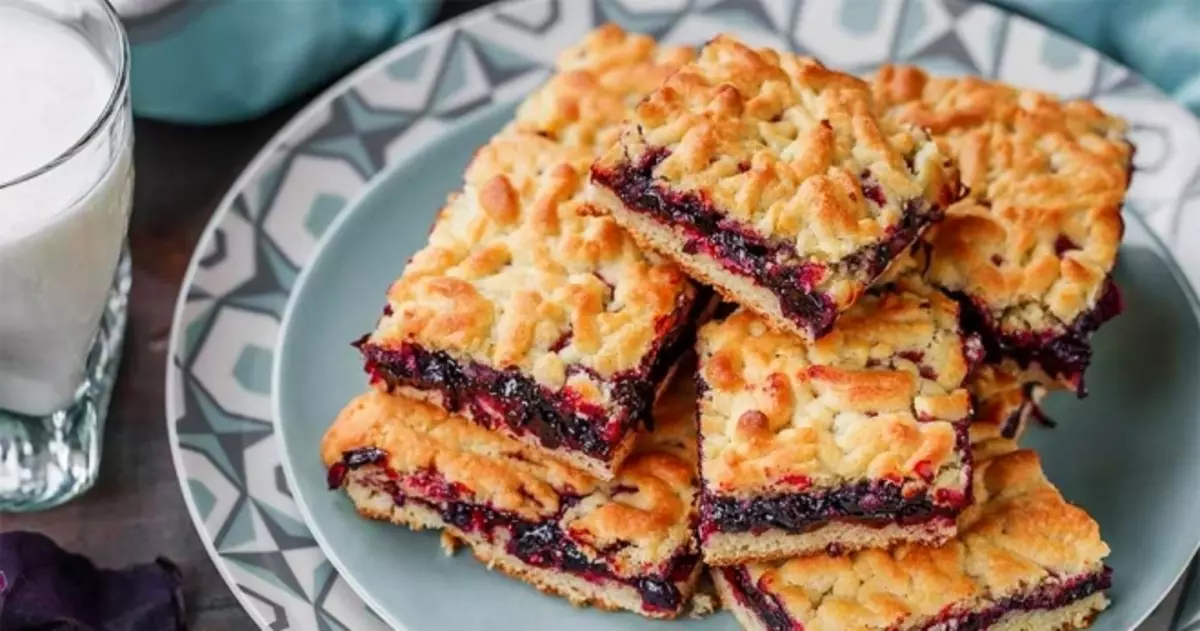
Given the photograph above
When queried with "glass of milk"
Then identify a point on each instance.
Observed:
(66, 179)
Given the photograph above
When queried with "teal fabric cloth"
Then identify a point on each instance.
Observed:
(220, 61)
(1160, 39)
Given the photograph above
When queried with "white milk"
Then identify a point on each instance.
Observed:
(61, 233)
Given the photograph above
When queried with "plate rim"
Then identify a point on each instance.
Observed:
(289, 131)
(253, 169)
(1128, 215)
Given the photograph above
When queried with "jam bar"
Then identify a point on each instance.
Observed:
(623, 544)
(856, 440)
(527, 312)
(768, 176)
(1023, 558)
(1030, 251)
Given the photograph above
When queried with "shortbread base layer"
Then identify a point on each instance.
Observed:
(838, 537)
(597, 592)
(1074, 615)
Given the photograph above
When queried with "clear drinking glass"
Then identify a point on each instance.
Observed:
(64, 264)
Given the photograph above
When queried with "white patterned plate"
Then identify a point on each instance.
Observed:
(267, 229)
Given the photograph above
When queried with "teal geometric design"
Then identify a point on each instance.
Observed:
(221, 423)
(210, 446)
(281, 269)
(253, 369)
(1060, 53)
(646, 22)
(739, 16)
(268, 184)
(321, 576)
(408, 67)
(202, 498)
(454, 75)
(355, 133)
(273, 303)
(349, 148)
(271, 568)
(324, 210)
(366, 119)
(502, 60)
(912, 21)
(289, 524)
(331, 623)
(196, 329)
(860, 17)
(240, 530)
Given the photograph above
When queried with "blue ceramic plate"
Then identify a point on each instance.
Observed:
(1126, 453)
(326, 216)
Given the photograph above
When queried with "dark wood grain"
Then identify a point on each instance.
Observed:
(136, 512)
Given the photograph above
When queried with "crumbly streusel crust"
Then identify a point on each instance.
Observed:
(643, 517)
(785, 149)
(521, 275)
(1005, 398)
(1019, 535)
(1034, 242)
(517, 260)
(879, 397)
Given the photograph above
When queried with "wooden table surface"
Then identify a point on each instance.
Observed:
(136, 512)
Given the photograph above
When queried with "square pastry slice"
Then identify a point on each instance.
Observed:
(767, 176)
(527, 312)
(1023, 558)
(623, 544)
(1030, 251)
(856, 440)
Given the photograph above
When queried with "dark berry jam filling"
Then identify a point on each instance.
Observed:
(1064, 353)
(875, 502)
(509, 397)
(869, 502)
(766, 606)
(1045, 598)
(353, 459)
(542, 544)
(770, 263)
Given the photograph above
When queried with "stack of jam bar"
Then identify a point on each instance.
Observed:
(907, 264)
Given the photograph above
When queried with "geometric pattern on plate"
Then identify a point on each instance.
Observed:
(387, 111)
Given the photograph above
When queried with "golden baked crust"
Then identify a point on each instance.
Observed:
(783, 147)
(645, 513)
(597, 83)
(1019, 535)
(1036, 238)
(519, 272)
(1005, 398)
(880, 397)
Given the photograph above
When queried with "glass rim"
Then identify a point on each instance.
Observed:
(115, 100)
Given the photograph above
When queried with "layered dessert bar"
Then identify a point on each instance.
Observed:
(767, 176)
(1005, 398)
(1023, 558)
(623, 544)
(527, 312)
(856, 440)
(1030, 251)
